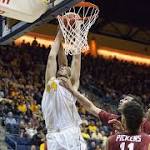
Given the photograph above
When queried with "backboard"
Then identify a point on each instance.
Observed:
(11, 29)
(28, 10)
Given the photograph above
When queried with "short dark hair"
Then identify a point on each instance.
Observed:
(136, 98)
(133, 113)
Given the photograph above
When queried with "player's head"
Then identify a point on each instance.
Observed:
(132, 116)
(64, 71)
(128, 98)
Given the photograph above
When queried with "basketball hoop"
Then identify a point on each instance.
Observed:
(75, 24)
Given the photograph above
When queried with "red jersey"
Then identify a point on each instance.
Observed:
(129, 142)
(106, 117)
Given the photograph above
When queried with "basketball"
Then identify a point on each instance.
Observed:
(70, 18)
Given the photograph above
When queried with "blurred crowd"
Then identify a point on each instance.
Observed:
(111, 79)
(22, 72)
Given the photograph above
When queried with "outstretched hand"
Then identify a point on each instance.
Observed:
(67, 84)
(117, 125)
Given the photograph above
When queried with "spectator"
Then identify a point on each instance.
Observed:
(98, 147)
(34, 107)
(30, 130)
(38, 139)
(92, 126)
(34, 43)
(84, 121)
(35, 120)
(43, 146)
(92, 145)
(22, 107)
(85, 134)
(23, 133)
(10, 120)
(1, 94)
(97, 135)
(11, 124)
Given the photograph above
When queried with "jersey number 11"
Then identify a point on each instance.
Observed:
(130, 146)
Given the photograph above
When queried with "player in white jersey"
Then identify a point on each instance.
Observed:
(58, 104)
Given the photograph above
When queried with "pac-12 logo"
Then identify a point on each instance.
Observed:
(4, 2)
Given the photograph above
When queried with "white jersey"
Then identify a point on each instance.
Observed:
(61, 118)
(58, 107)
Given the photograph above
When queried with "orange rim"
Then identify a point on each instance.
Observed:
(86, 4)
(82, 4)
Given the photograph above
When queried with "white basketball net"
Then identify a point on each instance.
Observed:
(75, 25)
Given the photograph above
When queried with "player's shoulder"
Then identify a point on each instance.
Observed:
(145, 136)
(52, 84)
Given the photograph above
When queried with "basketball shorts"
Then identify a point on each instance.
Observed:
(66, 139)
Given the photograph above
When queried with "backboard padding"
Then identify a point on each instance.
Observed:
(8, 34)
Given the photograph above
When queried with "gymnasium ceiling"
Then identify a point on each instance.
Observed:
(125, 19)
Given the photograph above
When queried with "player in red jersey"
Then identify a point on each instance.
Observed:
(145, 126)
(108, 118)
(131, 139)
(114, 120)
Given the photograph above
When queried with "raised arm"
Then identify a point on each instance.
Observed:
(87, 104)
(51, 67)
(62, 59)
(75, 71)
(76, 62)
